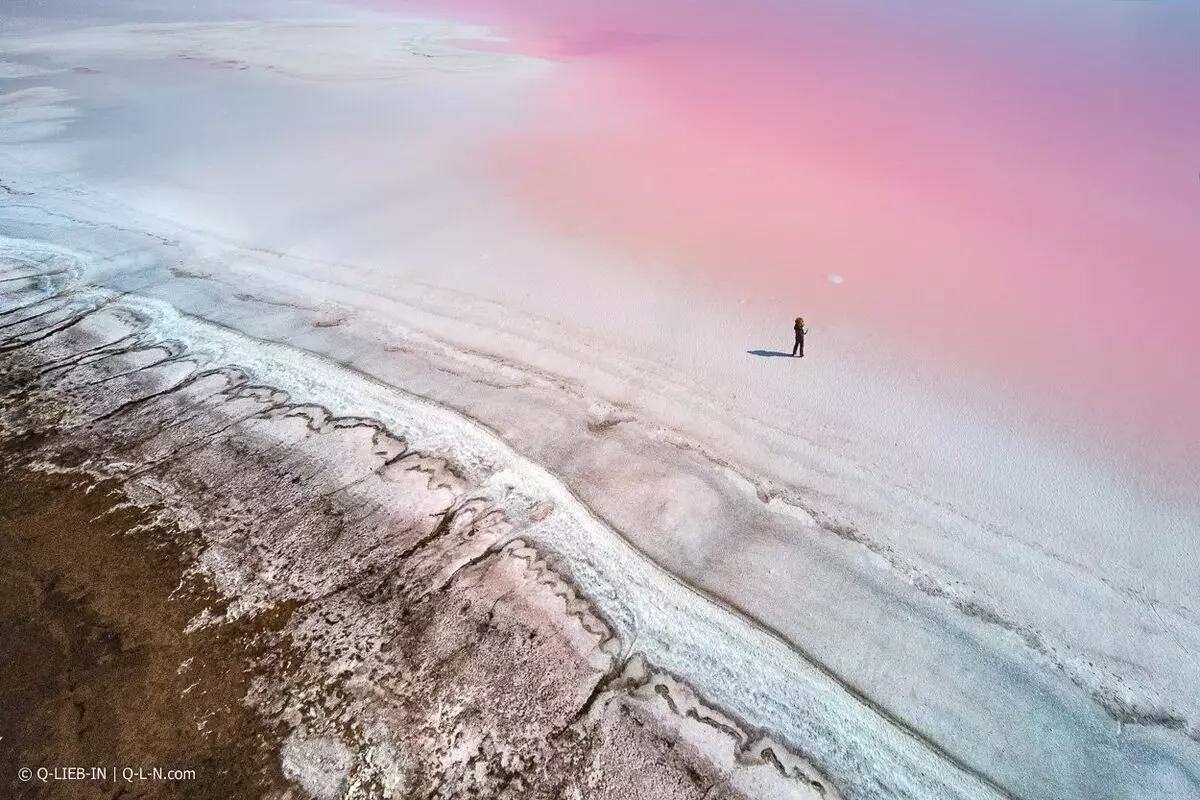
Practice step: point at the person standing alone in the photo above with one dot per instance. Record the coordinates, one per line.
(798, 347)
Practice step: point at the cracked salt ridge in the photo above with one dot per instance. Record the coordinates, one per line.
(735, 664)
(96, 339)
(1139, 709)
(1119, 710)
(1134, 715)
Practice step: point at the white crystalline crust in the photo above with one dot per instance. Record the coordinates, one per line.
(382, 50)
(11, 69)
(732, 662)
(1034, 616)
(33, 114)
(321, 766)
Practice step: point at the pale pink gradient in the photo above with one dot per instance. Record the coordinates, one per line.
(1012, 184)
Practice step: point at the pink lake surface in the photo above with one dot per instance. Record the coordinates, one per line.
(1012, 184)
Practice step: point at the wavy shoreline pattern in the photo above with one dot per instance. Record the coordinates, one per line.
(259, 448)
(378, 385)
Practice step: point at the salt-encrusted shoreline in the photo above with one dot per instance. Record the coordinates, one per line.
(367, 523)
(312, 201)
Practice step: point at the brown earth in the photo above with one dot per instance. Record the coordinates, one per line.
(93, 611)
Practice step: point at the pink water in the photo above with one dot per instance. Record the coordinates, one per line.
(1014, 184)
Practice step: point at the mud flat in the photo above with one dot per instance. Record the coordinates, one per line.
(206, 571)
(96, 668)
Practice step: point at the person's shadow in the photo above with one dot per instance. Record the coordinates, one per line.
(769, 354)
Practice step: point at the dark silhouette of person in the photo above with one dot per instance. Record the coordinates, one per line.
(798, 347)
